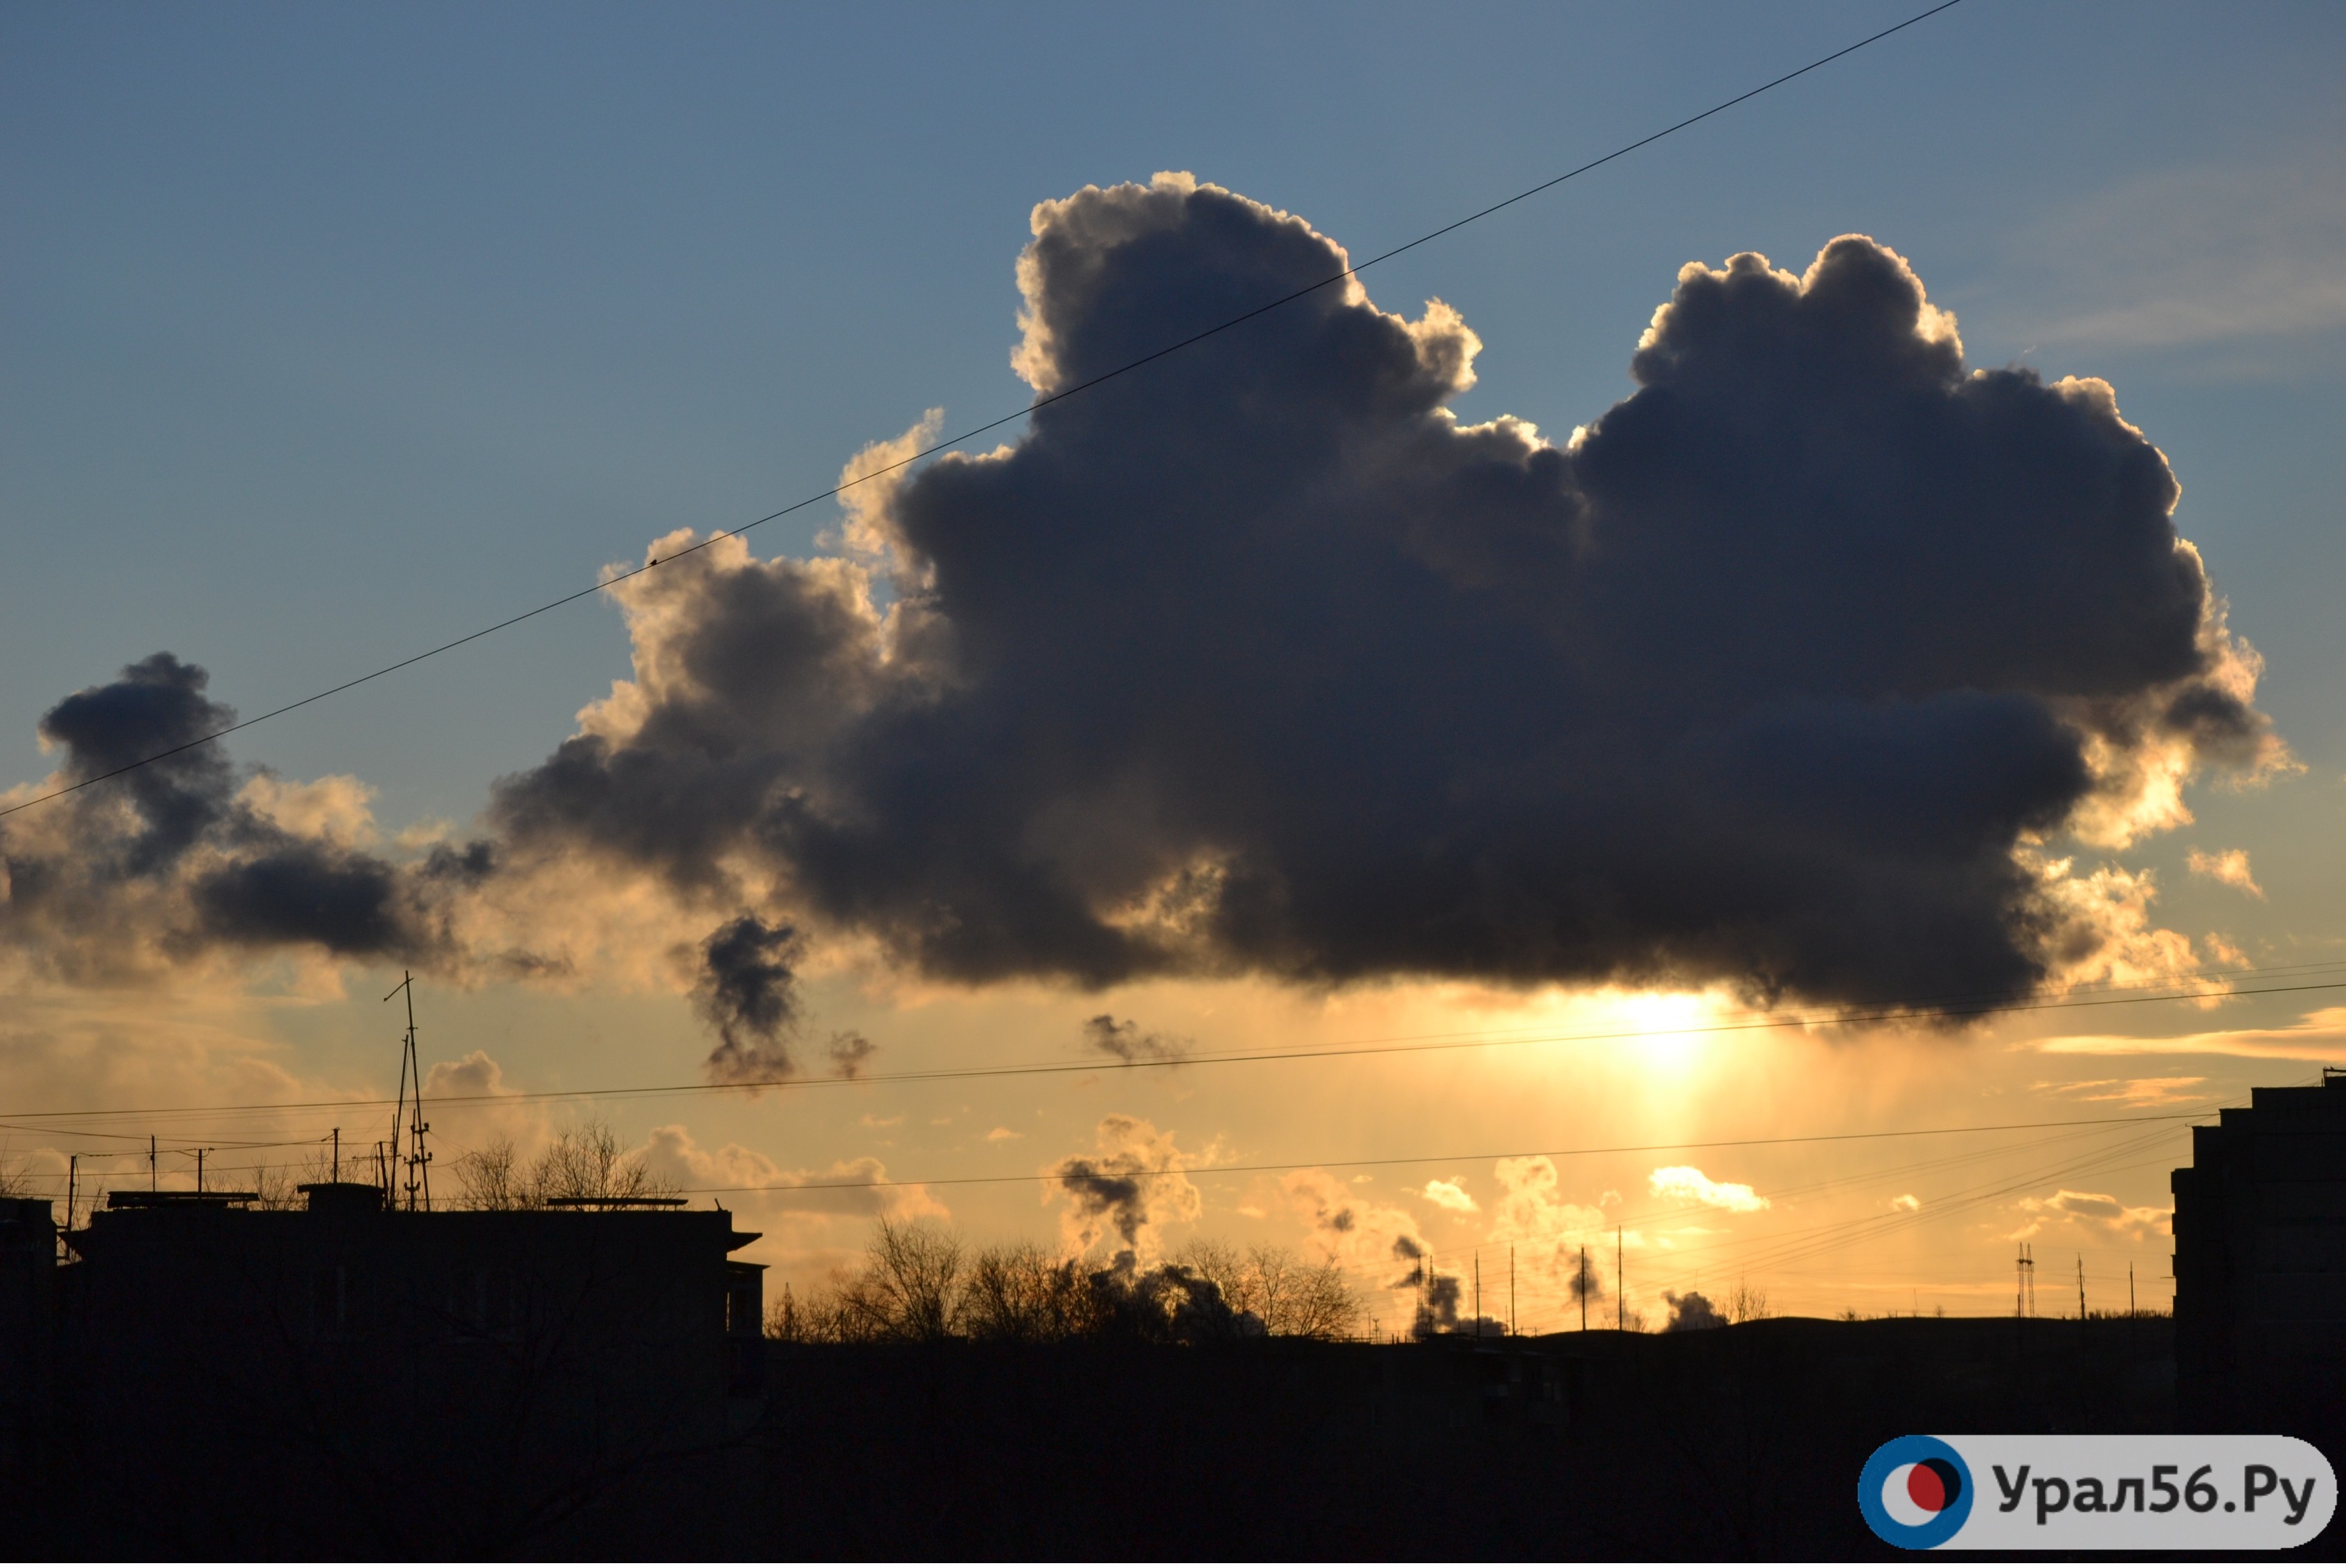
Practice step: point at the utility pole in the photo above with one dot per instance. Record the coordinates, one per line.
(1478, 1293)
(151, 1162)
(73, 1184)
(1620, 1285)
(200, 1169)
(337, 1154)
(2130, 1288)
(2081, 1288)
(410, 1105)
(1584, 1288)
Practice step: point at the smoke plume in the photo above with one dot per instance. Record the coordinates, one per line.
(1691, 1311)
(1128, 1042)
(1127, 1190)
(748, 992)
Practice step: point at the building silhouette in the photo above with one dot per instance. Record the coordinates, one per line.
(2260, 1265)
(350, 1378)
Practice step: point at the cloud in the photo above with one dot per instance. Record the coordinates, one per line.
(1906, 1203)
(849, 1050)
(1549, 1229)
(1002, 1135)
(476, 1073)
(2132, 1091)
(1133, 1185)
(1449, 1195)
(1687, 1182)
(1127, 1042)
(1259, 662)
(2257, 261)
(2095, 1210)
(1764, 677)
(2230, 866)
(179, 861)
(2319, 1036)
(844, 1187)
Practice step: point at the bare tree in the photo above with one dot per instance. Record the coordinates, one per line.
(275, 1186)
(584, 1164)
(1286, 1294)
(1022, 1294)
(816, 1320)
(1746, 1305)
(911, 1286)
(1319, 1304)
(490, 1177)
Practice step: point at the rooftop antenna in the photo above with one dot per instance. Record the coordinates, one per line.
(410, 1109)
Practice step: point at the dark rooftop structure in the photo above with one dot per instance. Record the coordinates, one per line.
(393, 1381)
(2260, 1265)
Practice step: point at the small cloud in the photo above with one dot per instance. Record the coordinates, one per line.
(1251, 1211)
(2151, 1091)
(2230, 866)
(848, 1052)
(1906, 1202)
(1128, 1042)
(871, 1121)
(476, 1073)
(1687, 1181)
(2098, 1209)
(1449, 1195)
(1362, 1179)
(1001, 1135)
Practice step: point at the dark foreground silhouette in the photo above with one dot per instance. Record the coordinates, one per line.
(1741, 1442)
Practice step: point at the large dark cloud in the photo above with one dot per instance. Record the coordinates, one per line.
(181, 858)
(1257, 661)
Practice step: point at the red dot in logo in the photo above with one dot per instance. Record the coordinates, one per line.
(1923, 1485)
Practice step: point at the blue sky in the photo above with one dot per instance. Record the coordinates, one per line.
(330, 333)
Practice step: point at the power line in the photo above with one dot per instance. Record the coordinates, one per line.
(1456, 1158)
(1040, 402)
(1894, 1012)
(1181, 1170)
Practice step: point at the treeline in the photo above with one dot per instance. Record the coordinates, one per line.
(583, 1165)
(918, 1283)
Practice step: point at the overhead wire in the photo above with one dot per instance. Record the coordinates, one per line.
(1038, 404)
(2178, 990)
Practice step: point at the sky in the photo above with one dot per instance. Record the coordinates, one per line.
(1540, 710)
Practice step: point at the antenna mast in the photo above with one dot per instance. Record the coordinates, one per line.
(407, 1124)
